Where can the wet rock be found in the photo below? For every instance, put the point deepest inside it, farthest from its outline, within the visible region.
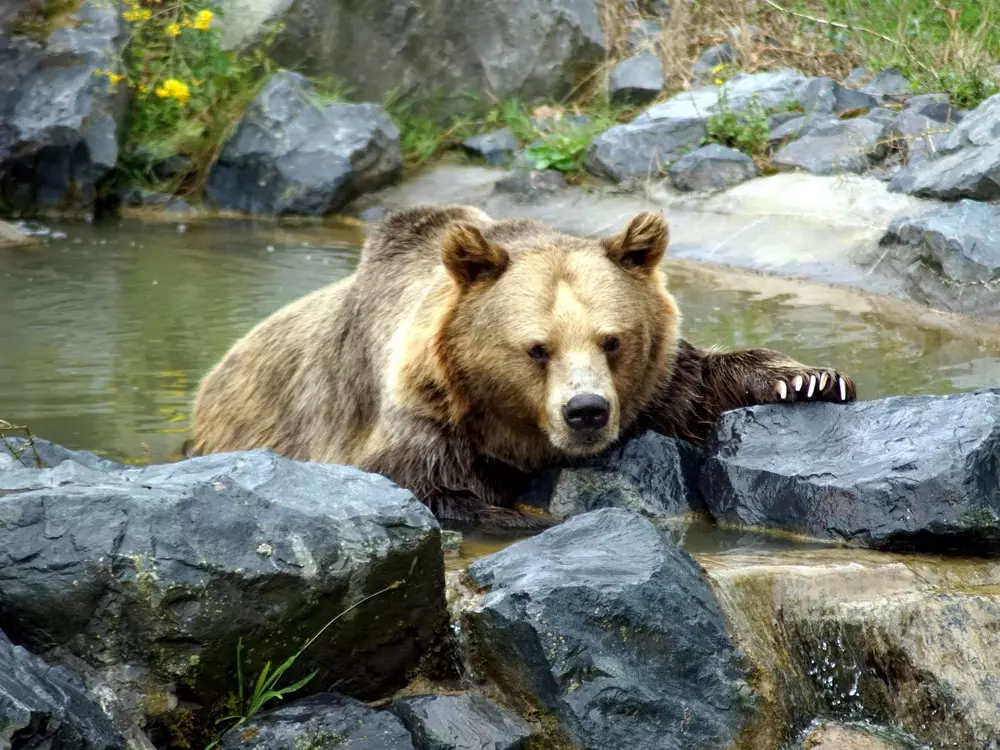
(889, 84)
(494, 148)
(962, 240)
(611, 629)
(326, 720)
(39, 453)
(980, 127)
(140, 578)
(919, 136)
(906, 473)
(644, 35)
(826, 96)
(461, 722)
(10, 236)
(650, 474)
(636, 80)
(711, 58)
(836, 146)
(291, 154)
(972, 172)
(443, 53)
(712, 167)
(48, 707)
(59, 122)
(532, 184)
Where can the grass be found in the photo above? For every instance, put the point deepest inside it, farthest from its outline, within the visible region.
(7, 430)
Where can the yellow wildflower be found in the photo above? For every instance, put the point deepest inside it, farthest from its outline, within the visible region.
(719, 81)
(174, 29)
(173, 89)
(137, 14)
(203, 20)
(186, 23)
(114, 78)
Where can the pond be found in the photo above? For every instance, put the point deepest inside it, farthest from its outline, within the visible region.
(107, 328)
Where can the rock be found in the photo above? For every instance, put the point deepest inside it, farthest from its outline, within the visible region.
(780, 118)
(833, 736)
(461, 722)
(712, 167)
(494, 148)
(39, 453)
(972, 172)
(48, 707)
(711, 58)
(531, 184)
(936, 107)
(905, 473)
(826, 96)
(11, 236)
(644, 35)
(557, 121)
(292, 154)
(636, 80)
(918, 136)
(981, 127)
(438, 53)
(59, 122)
(168, 557)
(857, 77)
(650, 474)
(326, 720)
(962, 240)
(836, 146)
(611, 629)
(798, 126)
(889, 84)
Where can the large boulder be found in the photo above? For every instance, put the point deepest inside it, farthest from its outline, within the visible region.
(446, 54)
(60, 121)
(146, 579)
(293, 154)
(825, 96)
(961, 239)
(636, 80)
(327, 720)
(465, 721)
(919, 136)
(981, 127)
(712, 167)
(611, 629)
(903, 473)
(48, 707)
(970, 172)
(836, 146)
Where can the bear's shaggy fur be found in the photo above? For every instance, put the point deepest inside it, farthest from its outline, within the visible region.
(447, 361)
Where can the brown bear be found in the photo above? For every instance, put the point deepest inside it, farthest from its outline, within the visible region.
(465, 353)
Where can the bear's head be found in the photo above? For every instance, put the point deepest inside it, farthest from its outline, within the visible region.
(553, 343)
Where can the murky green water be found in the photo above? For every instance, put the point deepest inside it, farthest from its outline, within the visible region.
(105, 330)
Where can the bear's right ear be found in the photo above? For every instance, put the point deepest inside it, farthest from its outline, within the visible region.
(470, 257)
(641, 245)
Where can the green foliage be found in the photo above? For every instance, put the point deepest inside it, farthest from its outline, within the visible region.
(562, 150)
(746, 131)
(970, 88)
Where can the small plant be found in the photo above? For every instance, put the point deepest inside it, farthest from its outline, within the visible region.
(970, 88)
(6, 428)
(266, 687)
(746, 131)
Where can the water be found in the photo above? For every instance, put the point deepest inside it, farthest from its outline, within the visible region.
(106, 329)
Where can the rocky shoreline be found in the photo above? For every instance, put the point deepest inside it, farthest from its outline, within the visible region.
(600, 631)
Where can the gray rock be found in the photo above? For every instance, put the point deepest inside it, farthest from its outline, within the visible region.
(59, 123)
(972, 172)
(904, 473)
(461, 722)
(140, 578)
(836, 146)
(826, 96)
(981, 127)
(712, 57)
(644, 35)
(495, 148)
(934, 106)
(780, 118)
(48, 707)
(292, 154)
(636, 80)
(918, 136)
(39, 453)
(326, 720)
(613, 630)
(889, 84)
(559, 121)
(857, 77)
(441, 53)
(650, 474)
(797, 126)
(962, 240)
(712, 167)
(531, 184)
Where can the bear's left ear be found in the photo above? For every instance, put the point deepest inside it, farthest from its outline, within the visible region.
(470, 257)
(641, 245)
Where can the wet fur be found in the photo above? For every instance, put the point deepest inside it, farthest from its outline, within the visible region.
(374, 370)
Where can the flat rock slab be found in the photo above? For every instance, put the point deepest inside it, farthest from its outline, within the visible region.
(461, 722)
(321, 721)
(612, 629)
(970, 172)
(835, 146)
(712, 167)
(147, 578)
(904, 473)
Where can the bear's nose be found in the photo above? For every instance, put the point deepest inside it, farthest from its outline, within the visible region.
(586, 411)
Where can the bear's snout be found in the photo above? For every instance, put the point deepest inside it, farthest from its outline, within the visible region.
(586, 412)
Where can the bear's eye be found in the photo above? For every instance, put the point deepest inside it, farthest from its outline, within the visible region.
(539, 353)
(611, 344)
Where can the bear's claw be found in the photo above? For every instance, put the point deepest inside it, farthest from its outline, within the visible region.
(826, 385)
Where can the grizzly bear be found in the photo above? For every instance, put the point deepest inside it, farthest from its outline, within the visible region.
(465, 353)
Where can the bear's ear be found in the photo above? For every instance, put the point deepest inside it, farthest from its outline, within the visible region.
(641, 245)
(470, 257)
